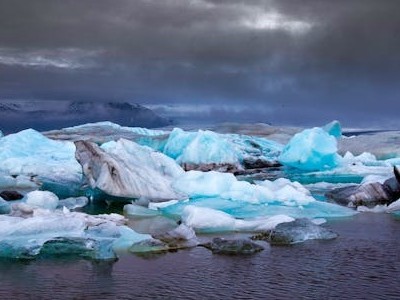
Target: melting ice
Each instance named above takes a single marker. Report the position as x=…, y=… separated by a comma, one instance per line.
x=177, y=181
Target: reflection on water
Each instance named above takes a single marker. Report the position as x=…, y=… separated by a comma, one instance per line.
x=363, y=263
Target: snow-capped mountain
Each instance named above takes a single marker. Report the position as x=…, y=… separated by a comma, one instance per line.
x=16, y=115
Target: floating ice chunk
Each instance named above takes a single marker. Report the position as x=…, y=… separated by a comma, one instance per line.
x=246, y=210
x=30, y=153
x=126, y=169
x=133, y=210
x=311, y=149
x=42, y=199
x=291, y=193
x=202, y=147
x=333, y=128
x=204, y=184
x=374, y=178
x=69, y=232
x=177, y=142
x=224, y=185
x=298, y=231
x=375, y=209
x=179, y=237
x=204, y=219
x=73, y=203
x=394, y=206
x=128, y=237
x=19, y=183
x=156, y=206
x=209, y=147
x=262, y=224
x=110, y=126
x=364, y=159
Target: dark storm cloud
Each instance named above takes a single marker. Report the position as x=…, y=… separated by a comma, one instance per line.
x=304, y=60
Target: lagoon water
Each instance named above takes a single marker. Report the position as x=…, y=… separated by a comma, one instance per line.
x=363, y=263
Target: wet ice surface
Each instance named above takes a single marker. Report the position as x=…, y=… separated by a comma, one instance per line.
x=362, y=263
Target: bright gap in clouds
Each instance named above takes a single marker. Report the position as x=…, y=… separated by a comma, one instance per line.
x=66, y=58
x=275, y=21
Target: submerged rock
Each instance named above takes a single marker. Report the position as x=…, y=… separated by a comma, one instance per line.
x=369, y=194
x=297, y=231
x=125, y=169
x=233, y=247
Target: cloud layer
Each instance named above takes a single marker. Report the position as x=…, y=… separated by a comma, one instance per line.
x=303, y=62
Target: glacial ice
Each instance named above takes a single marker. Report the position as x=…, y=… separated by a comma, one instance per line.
x=333, y=128
x=30, y=153
x=126, y=169
x=208, y=147
x=42, y=199
x=5, y=207
x=89, y=236
x=224, y=185
x=207, y=220
x=297, y=231
x=73, y=203
x=311, y=150
x=19, y=183
x=202, y=147
x=246, y=210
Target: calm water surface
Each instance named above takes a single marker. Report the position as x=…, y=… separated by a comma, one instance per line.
x=363, y=263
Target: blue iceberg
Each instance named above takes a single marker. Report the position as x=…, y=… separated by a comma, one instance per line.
x=311, y=150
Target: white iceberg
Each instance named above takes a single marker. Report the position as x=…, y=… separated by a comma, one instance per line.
x=30, y=153
x=204, y=219
x=42, y=199
x=64, y=232
x=126, y=169
x=224, y=185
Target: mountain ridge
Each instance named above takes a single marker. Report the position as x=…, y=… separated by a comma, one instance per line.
x=16, y=115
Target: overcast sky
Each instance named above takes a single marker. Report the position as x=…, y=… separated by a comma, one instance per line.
x=294, y=62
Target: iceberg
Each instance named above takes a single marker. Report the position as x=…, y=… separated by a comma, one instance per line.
x=311, y=150
x=207, y=150
x=42, y=199
x=126, y=169
x=197, y=184
x=333, y=128
x=19, y=183
x=73, y=203
x=102, y=132
x=368, y=194
x=208, y=220
x=200, y=148
x=297, y=231
x=64, y=233
x=29, y=153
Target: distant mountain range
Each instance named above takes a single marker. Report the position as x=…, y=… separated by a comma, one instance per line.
x=16, y=115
